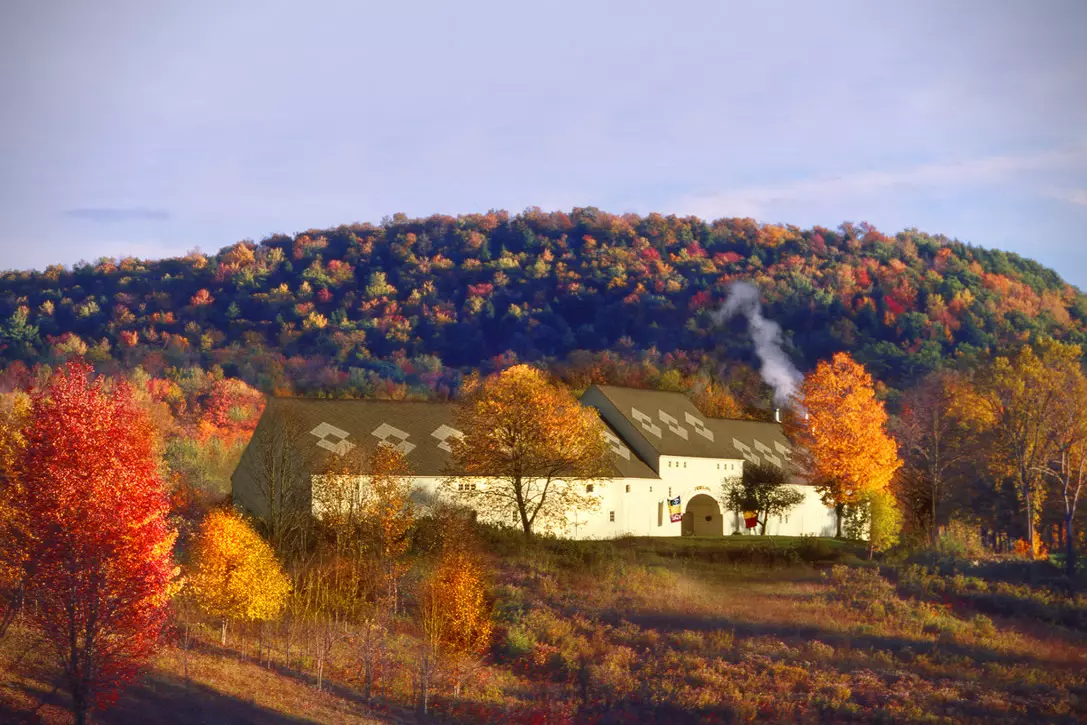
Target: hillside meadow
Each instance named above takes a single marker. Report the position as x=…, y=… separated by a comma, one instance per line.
x=635, y=630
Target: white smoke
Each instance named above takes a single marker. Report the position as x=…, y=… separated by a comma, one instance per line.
x=777, y=369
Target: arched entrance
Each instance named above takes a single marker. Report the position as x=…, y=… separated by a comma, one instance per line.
x=703, y=517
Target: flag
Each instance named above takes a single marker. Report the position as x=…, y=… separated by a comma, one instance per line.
x=751, y=519
x=674, y=510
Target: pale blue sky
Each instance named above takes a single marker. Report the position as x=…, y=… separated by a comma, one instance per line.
x=153, y=128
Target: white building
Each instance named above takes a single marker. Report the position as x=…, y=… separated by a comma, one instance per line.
x=662, y=448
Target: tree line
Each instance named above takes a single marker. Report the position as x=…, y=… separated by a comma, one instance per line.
x=407, y=307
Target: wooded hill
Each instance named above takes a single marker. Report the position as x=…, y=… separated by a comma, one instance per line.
x=403, y=307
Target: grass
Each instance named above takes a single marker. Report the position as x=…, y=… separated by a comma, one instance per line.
x=205, y=684
x=668, y=630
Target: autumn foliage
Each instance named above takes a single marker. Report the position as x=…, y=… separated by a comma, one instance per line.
x=235, y=574
x=455, y=597
x=97, y=560
x=523, y=435
x=841, y=440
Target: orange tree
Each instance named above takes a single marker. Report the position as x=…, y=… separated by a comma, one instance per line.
x=841, y=441
x=97, y=559
x=235, y=574
x=526, y=438
x=454, y=606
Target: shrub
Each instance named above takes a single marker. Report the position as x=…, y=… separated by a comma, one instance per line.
x=519, y=642
x=814, y=549
x=960, y=540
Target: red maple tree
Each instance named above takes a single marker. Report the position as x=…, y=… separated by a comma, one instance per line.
x=98, y=562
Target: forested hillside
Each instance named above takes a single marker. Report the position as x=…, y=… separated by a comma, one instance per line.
x=401, y=308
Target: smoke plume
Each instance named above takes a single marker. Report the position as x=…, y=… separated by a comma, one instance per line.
x=777, y=370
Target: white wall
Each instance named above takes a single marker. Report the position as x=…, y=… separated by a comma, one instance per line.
x=640, y=506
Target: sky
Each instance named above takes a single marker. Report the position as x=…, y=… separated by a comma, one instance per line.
x=150, y=129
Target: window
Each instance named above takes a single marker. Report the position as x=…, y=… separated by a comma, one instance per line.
x=669, y=492
x=628, y=488
x=611, y=516
x=466, y=486
x=589, y=488
x=685, y=464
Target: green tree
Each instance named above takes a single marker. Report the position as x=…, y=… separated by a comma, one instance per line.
x=19, y=335
x=764, y=489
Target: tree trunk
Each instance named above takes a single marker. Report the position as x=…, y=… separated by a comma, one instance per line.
x=932, y=533
x=222, y=633
x=79, y=706
x=1029, y=500
x=839, y=510
x=1069, y=547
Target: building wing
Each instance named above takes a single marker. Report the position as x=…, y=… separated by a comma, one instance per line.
x=752, y=441
x=422, y=431
x=668, y=424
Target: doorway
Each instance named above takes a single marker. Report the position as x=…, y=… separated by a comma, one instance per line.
x=704, y=517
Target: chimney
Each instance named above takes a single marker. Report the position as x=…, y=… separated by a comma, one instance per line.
x=777, y=415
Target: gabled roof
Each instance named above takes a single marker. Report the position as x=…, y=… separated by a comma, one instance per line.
x=626, y=460
x=753, y=441
x=673, y=426
x=422, y=431
x=419, y=429
x=669, y=422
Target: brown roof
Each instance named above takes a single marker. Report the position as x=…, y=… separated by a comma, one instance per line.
x=419, y=429
x=751, y=440
x=673, y=426
x=668, y=421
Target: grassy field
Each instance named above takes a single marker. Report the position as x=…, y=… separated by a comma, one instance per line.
x=221, y=687
x=666, y=630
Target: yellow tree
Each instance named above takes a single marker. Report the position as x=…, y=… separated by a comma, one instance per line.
x=532, y=446
x=1017, y=399
x=454, y=609
x=235, y=574
x=842, y=444
x=14, y=410
x=1068, y=463
x=456, y=599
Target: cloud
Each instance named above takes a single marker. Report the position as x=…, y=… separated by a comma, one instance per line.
x=1072, y=196
x=753, y=200
x=121, y=214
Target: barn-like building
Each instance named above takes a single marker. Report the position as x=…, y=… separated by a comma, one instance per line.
x=662, y=449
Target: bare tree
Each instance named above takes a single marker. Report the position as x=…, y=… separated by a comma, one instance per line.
x=284, y=461
x=931, y=439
